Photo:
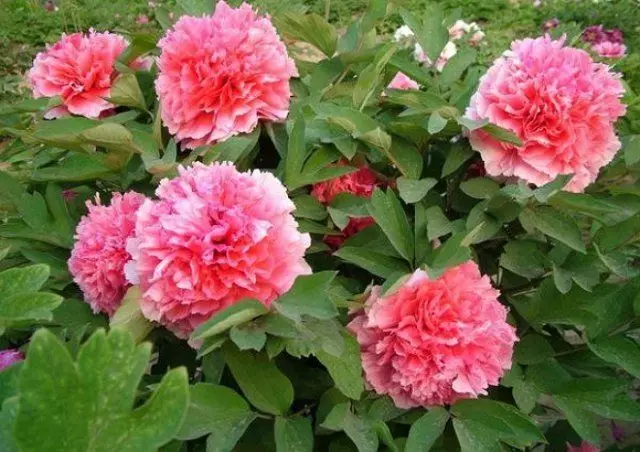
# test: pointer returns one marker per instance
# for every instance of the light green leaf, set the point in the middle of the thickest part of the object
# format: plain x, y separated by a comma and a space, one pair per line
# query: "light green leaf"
375, 263
266, 387
346, 369
196, 7
248, 336
128, 317
557, 225
214, 409
75, 167
308, 296
296, 154
309, 28
361, 432
126, 91
547, 191
309, 207
389, 215
455, 67
426, 430
412, 191
232, 149
89, 404
501, 134
293, 434
480, 187
436, 123
631, 146
241, 312
619, 350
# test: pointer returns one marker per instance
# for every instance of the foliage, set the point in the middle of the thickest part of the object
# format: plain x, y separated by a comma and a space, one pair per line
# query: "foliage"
289, 378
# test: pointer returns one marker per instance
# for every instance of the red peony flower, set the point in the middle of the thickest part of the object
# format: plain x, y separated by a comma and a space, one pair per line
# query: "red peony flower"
214, 237
99, 253
434, 341
220, 74
560, 104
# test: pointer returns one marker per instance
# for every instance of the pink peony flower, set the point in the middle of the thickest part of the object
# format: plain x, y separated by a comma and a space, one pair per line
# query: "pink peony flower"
583, 447
401, 81
220, 74
79, 69
607, 49
142, 19
447, 53
594, 34
435, 341
560, 104
214, 237
615, 35
354, 226
359, 183
9, 357
459, 29
99, 254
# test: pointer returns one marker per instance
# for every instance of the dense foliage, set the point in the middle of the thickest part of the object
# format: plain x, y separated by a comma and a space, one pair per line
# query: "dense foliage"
386, 184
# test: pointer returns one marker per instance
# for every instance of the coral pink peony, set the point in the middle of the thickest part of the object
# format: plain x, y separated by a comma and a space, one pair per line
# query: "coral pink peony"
99, 254
608, 49
401, 81
434, 341
214, 237
583, 447
559, 103
79, 69
220, 74
9, 357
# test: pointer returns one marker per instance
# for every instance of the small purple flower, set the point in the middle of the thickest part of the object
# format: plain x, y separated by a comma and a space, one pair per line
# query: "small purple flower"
617, 432
594, 34
615, 35
9, 357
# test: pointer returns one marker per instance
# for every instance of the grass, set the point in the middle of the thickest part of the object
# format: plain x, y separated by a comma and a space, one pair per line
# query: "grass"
26, 27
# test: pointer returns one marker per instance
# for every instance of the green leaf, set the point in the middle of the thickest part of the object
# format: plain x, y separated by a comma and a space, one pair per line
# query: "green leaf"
232, 149
346, 369
604, 397
501, 134
248, 336
241, 312
619, 350
436, 123
89, 404
375, 263
426, 430
480, 187
196, 7
458, 154
532, 349
389, 215
480, 425
611, 237
547, 191
23, 279
266, 387
309, 28
455, 67
437, 224
412, 191
371, 76
432, 35
296, 154
406, 157
217, 410
126, 91
75, 167
631, 146
128, 317
361, 432
557, 225
582, 421
524, 258
308, 296
293, 434
309, 207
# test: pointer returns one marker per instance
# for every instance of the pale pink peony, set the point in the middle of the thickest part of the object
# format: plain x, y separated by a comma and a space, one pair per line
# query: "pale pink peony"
79, 69
447, 53
560, 104
608, 49
401, 81
142, 19
9, 357
214, 237
435, 341
459, 29
583, 447
220, 74
99, 253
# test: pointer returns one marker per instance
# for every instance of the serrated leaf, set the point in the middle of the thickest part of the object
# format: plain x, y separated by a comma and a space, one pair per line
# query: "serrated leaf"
236, 314
426, 430
272, 392
88, 405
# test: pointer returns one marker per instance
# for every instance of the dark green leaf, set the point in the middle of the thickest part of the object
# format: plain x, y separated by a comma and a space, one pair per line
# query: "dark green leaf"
308, 297
236, 314
619, 350
557, 225
412, 191
426, 430
389, 215
346, 369
293, 434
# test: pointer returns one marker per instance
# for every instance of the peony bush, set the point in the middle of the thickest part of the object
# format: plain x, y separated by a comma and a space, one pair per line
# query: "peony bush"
212, 241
